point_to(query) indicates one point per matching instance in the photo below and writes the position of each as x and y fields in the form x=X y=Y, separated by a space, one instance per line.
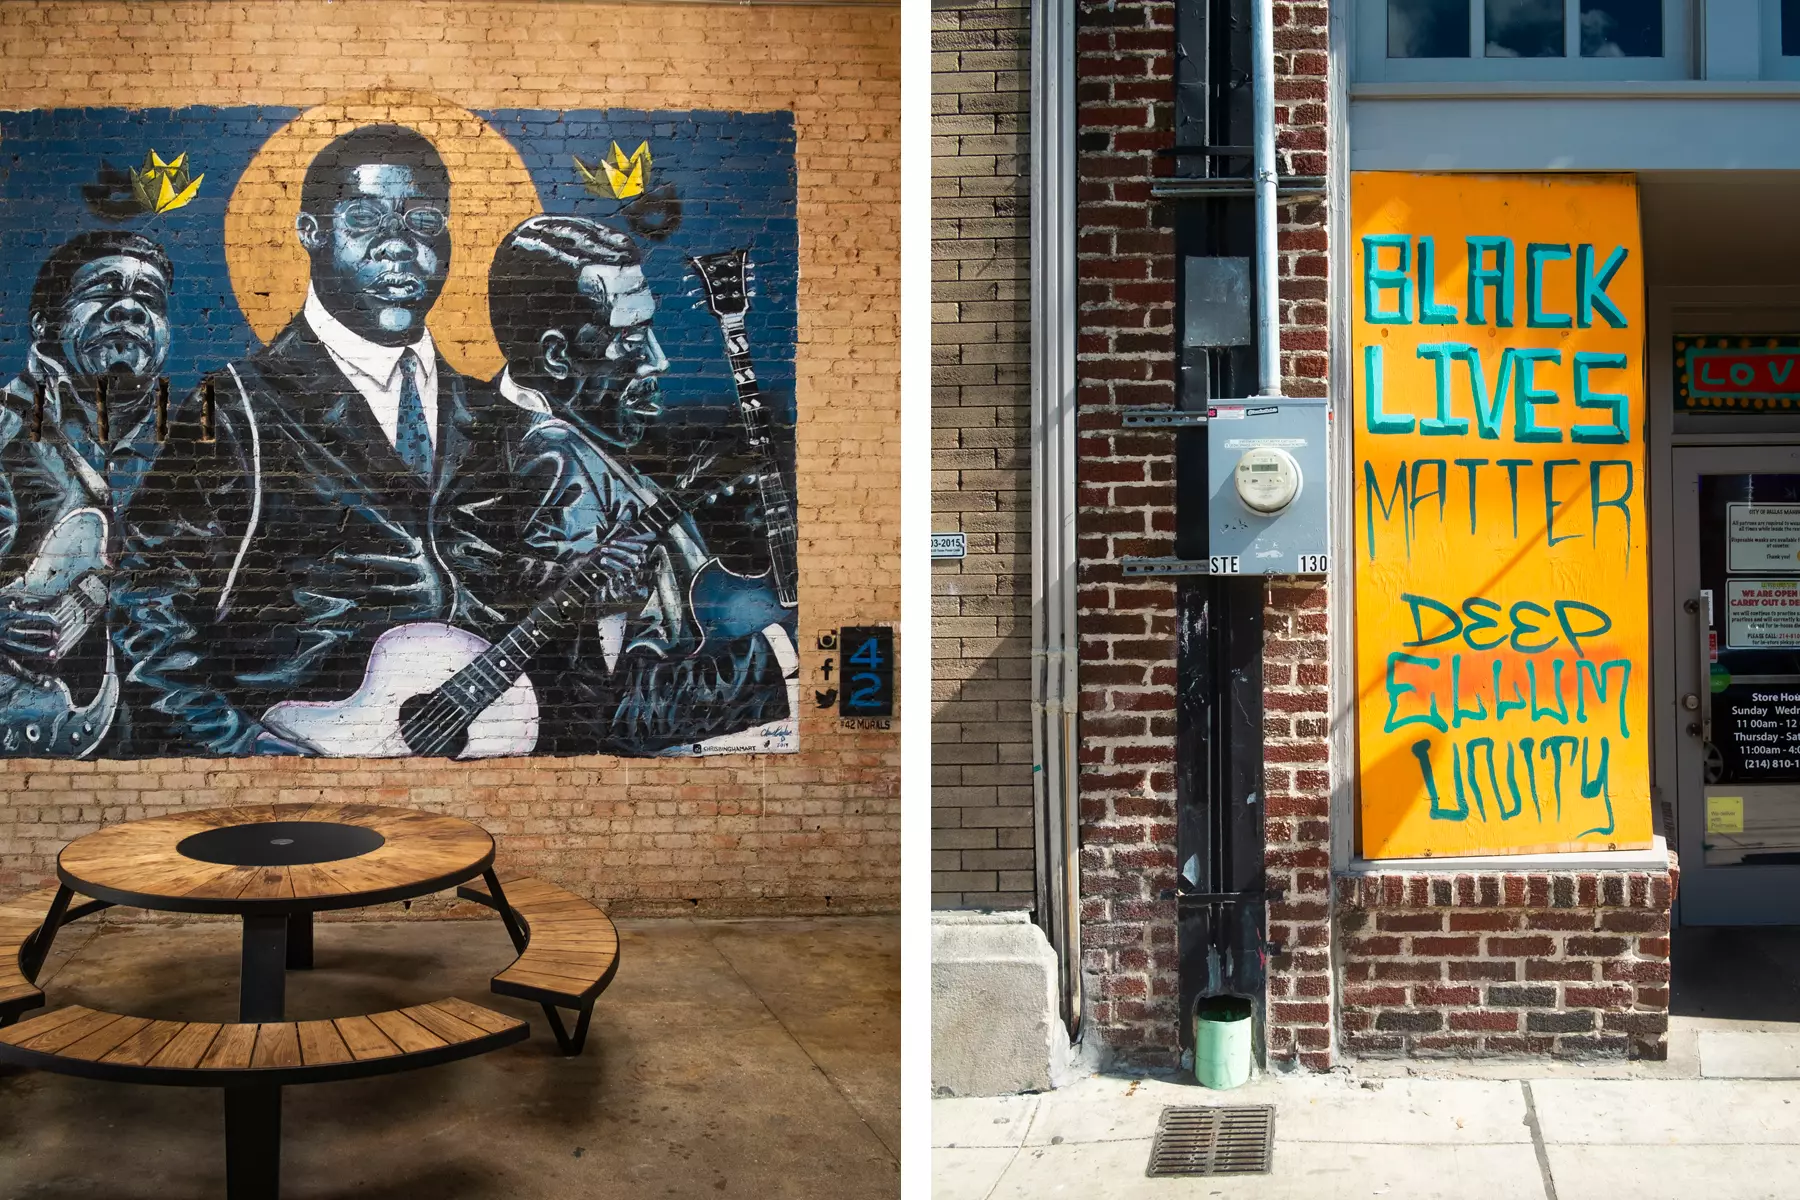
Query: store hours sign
x=1500 y=561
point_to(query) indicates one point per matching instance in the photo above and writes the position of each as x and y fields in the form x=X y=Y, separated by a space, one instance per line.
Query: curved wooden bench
x=568 y=950
x=22 y=950
x=103 y=1045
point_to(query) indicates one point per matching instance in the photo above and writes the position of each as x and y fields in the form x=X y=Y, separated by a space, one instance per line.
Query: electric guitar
x=432 y=689
x=725 y=604
x=39 y=717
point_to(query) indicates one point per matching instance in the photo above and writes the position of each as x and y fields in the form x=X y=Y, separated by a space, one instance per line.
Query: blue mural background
x=733 y=173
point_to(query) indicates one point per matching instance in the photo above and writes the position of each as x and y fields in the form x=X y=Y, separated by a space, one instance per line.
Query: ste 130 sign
x=867 y=689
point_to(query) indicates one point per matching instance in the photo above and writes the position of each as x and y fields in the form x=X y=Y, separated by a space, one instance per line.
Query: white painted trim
x=1340 y=463
x=1536 y=89
x=1656 y=858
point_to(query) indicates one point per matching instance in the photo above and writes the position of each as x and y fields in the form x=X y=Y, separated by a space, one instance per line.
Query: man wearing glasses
x=342 y=481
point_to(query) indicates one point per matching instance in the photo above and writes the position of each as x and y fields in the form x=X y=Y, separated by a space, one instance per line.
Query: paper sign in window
x=1762 y=537
x=1762 y=614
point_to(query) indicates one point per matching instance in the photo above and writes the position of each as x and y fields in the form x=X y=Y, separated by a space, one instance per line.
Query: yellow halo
x=490 y=192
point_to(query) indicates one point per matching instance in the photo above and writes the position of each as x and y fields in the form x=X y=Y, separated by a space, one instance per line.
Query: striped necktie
x=412 y=437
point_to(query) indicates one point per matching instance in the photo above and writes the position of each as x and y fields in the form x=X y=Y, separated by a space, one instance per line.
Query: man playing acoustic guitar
x=573 y=315
x=340 y=483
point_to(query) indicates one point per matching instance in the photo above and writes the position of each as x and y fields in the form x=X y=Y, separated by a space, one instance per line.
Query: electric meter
x=1268 y=479
x=1265 y=467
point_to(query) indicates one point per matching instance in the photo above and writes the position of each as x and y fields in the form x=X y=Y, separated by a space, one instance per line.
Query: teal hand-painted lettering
x=1525 y=745
x=1551 y=503
x=1499 y=277
x=1396 y=688
x=1417 y=605
x=1512 y=466
x=1470 y=465
x=1378 y=279
x=1601 y=624
x=1457 y=712
x=1512 y=784
x=1621 y=502
x=1596 y=789
x=1430 y=311
x=1539 y=712
x=1487 y=416
x=1613 y=403
x=1442 y=492
x=1552 y=748
x=1527 y=396
x=1536 y=255
x=1442 y=356
x=1422 y=751
x=1481 y=743
x=1373 y=499
x=1502 y=705
x=1597 y=674
x=1523 y=625
x=1590 y=288
x=1374 y=419
x=1479 y=622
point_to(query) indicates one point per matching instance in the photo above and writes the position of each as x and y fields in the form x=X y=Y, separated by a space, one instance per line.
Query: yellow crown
x=160 y=186
x=616 y=176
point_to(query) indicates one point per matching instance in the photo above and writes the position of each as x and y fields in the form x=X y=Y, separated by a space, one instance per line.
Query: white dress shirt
x=375 y=370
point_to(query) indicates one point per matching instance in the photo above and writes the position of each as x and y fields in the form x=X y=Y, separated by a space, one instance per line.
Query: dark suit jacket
x=231 y=593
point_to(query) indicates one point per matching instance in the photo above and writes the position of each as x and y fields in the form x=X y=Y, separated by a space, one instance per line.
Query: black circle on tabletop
x=280 y=843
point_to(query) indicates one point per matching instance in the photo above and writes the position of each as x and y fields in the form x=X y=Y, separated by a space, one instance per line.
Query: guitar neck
x=496 y=669
x=778 y=510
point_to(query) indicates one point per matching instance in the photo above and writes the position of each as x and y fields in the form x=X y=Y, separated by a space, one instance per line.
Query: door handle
x=1702 y=693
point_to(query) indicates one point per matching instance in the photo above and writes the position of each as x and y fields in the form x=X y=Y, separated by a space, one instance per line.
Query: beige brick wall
x=811 y=832
x=981 y=846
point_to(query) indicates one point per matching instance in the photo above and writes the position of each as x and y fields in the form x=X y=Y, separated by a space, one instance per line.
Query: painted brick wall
x=816 y=831
x=1572 y=964
x=1125 y=64
x=982 y=824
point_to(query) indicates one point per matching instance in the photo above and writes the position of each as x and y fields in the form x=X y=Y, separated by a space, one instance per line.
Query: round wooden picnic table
x=274 y=866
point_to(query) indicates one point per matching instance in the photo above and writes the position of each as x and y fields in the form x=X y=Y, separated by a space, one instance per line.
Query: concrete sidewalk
x=728 y=1059
x=1559 y=1136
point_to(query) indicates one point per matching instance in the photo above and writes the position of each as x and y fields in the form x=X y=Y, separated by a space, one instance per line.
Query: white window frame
x=1676 y=62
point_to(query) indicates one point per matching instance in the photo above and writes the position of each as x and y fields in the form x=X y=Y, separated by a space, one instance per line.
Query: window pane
x=1790 y=28
x=1622 y=28
x=1430 y=28
x=1524 y=28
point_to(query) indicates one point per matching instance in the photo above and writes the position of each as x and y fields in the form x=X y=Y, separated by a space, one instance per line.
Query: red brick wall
x=1572 y=964
x=1126 y=346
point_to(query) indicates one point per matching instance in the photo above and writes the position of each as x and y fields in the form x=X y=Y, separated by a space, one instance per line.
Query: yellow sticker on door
x=1724 y=814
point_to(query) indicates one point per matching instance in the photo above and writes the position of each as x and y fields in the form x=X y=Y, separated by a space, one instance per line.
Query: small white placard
x=949 y=545
x=1762 y=537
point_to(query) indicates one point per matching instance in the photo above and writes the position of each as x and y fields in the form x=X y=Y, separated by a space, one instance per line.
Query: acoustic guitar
x=432 y=689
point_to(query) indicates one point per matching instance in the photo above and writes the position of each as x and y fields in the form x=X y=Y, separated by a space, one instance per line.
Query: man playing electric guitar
x=77 y=432
x=572 y=313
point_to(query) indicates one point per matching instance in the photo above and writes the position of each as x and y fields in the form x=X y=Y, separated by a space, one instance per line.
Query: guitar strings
x=656 y=517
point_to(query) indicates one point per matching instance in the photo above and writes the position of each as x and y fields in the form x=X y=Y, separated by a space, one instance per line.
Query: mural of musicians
x=77 y=432
x=343 y=483
x=573 y=316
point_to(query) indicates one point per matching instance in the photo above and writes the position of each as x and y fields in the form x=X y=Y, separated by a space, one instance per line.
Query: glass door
x=1737 y=645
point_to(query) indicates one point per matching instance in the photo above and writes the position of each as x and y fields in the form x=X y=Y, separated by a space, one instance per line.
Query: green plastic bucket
x=1222 y=1041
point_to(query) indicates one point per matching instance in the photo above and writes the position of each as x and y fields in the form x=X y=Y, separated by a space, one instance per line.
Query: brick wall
x=815 y=831
x=1572 y=964
x=982 y=821
x=1126 y=272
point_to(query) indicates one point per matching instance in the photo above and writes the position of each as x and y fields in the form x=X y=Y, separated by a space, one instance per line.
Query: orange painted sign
x=1502 y=597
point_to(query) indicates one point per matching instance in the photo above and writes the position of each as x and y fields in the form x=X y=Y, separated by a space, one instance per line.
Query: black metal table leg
x=37 y=949
x=299 y=941
x=253 y=1142
x=262 y=979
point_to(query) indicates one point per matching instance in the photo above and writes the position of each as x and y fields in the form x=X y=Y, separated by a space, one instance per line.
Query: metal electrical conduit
x=1055 y=697
x=1268 y=262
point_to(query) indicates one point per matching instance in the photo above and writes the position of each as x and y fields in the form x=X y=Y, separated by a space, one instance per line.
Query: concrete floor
x=729 y=1059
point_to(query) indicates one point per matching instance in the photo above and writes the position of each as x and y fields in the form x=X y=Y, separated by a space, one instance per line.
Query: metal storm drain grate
x=1213 y=1141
